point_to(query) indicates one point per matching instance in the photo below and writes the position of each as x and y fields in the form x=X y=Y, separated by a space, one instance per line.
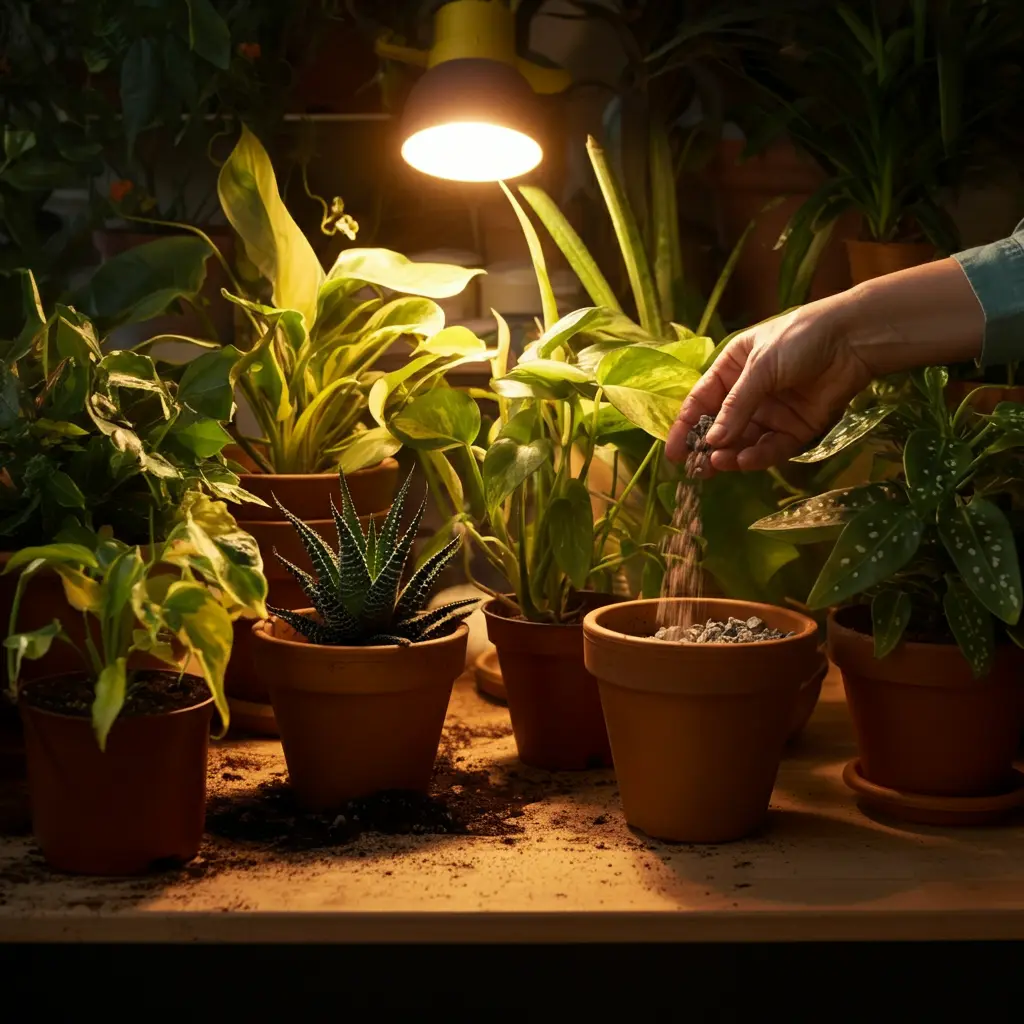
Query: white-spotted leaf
x=851 y=428
x=890 y=613
x=824 y=516
x=933 y=465
x=971 y=625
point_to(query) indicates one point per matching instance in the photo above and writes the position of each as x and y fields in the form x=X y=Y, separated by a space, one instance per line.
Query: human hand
x=775 y=388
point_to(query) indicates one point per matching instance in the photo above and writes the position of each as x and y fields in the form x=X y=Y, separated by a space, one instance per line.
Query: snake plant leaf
x=442 y=418
x=971 y=625
x=933 y=465
x=874 y=545
x=392 y=270
x=823 y=517
x=549 y=305
x=542 y=378
x=570 y=524
x=890 y=614
x=646 y=386
x=272 y=240
x=851 y=428
x=979 y=539
x=507 y=464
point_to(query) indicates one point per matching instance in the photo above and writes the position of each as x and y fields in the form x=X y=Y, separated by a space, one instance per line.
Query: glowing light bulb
x=471 y=151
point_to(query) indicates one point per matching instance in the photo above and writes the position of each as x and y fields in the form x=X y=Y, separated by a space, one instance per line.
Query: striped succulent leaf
x=358 y=593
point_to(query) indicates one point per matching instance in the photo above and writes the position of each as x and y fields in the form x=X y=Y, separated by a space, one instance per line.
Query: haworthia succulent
x=979 y=539
x=876 y=543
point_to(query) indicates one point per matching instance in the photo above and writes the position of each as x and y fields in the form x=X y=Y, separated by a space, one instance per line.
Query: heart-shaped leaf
x=824 y=516
x=876 y=543
x=971 y=626
x=570 y=522
x=693 y=352
x=442 y=418
x=980 y=541
x=542 y=378
x=564 y=330
x=851 y=428
x=890 y=613
x=933 y=465
x=393 y=270
x=507 y=464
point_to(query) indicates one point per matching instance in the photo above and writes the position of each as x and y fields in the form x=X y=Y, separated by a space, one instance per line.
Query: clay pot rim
x=87 y=720
x=330 y=651
x=264 y=524
x=835 y=622
x=489 y=607
x=384 y=464
x=599 y=633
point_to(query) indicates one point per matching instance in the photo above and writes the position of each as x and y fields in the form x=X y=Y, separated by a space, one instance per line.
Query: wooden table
x=820 y=869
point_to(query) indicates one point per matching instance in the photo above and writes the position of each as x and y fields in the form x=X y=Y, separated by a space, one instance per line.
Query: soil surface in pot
x=717 y=631
x=150 y=692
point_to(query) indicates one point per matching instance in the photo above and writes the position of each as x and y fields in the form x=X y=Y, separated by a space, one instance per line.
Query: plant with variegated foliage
x=358 y=593
x=930 y=542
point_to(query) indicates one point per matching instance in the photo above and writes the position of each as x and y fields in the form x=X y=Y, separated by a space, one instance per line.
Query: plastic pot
x=697 y=730
x=923 y=723
x=553 y=700
x=140 y=803
x=357 y=720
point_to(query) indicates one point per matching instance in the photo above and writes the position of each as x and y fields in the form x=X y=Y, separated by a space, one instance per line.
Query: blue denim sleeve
x=996 y=273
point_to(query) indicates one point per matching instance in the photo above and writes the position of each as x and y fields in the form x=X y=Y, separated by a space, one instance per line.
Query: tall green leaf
x=208 y=33
x=140 y=87
x=540 y=267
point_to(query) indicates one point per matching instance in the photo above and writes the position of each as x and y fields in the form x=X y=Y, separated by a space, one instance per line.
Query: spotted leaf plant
x=358 y=594
x=930 y=544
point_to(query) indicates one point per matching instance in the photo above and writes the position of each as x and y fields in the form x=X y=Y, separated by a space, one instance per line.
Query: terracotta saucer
x=488 y=675
x=935 y=810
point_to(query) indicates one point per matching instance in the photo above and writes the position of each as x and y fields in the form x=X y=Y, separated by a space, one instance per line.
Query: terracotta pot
x=741 y=189
x=357 y=720
x=875 y=259
x=697 y=730
x=308 y=496
x=552 y=699
x=984 y=397
x=139 y=804
x=248 y=697
x=924 y=724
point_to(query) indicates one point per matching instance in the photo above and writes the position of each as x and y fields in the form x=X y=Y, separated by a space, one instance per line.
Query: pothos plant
x=174 y=601
x=930 y=546
x=91 y=439
x=316 y=337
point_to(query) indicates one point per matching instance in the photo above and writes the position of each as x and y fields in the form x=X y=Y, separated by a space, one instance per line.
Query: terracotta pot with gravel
x=697 y=729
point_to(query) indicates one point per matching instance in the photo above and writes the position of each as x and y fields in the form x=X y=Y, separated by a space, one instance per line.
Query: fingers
x=740 y=405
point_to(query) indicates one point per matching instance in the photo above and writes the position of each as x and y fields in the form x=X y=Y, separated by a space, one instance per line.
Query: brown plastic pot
x=876 y=259
x=553 y=700
x=357 y=720
x=697 y=730
x=139 y=804
x=308 y=495
x=248 y=697
x=923 y=723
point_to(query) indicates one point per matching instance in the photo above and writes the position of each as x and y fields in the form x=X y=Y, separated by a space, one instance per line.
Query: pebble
x=715 y=631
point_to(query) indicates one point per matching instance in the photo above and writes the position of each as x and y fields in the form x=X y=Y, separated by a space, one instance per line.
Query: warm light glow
x=471 y=151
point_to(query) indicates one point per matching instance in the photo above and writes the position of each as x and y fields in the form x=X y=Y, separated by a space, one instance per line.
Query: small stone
x=754 y=622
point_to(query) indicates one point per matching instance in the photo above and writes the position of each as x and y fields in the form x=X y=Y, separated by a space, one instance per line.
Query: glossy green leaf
x=69 y=554
x=201 y=436
x=63 y=490
x=564 y=330
x=570 y=524
x=17 y=142
x=140 y=87
x=507 y=464
x=33 y=645
x=890 y=615
x=367 y=448
x=205 y=386
x=454 y=341
x=542 y=378
x=111 y=685
x=143 y=282
x=971 y=626
x=874 y=545
x=392 y=270
x=851 y=428
x=933 y=465
x=272 y=240
x=442 y=418
x=38 y=174
x=823 y=517
x=978 y=538
x=208 y=33
x=10 y=398
x=692 y=352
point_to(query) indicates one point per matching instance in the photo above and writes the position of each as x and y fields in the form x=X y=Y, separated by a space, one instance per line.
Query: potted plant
x=899 y=103
x=360 y=681
x=117 y=751
x=925 y=578
x=308 y=373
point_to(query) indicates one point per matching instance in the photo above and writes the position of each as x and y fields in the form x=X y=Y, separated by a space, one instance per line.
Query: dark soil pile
x=460 y=802
x=696 y=439
x=150 y=692
x=714 y=631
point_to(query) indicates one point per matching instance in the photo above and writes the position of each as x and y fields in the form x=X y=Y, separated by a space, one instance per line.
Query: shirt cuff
x=996 y=273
